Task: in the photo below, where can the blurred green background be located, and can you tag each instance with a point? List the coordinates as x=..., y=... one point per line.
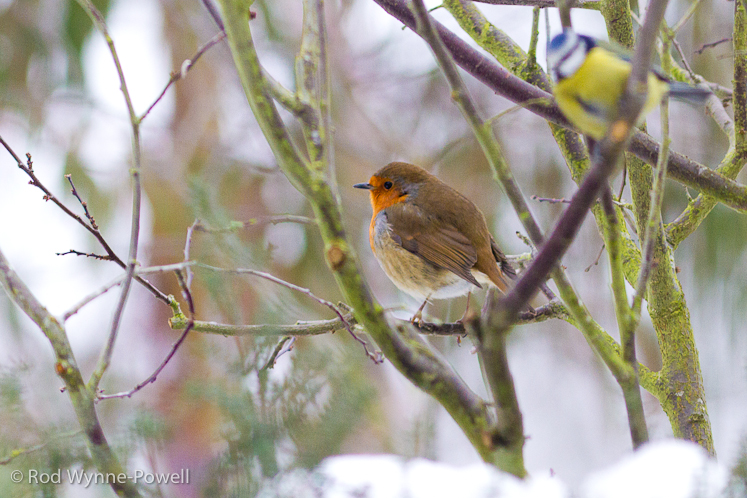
x=213, y=409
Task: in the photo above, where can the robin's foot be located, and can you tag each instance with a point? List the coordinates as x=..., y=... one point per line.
x=418, y=316
x=466, y=311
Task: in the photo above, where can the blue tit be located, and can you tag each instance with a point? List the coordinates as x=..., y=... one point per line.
x=590, y=80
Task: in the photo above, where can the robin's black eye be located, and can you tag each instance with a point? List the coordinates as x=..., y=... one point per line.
x=387, y=185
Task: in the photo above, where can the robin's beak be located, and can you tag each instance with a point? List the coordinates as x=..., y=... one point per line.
x=364, y=186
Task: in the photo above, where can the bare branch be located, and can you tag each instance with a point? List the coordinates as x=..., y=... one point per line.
x=86, y=254
x=318, y=327
x=706, y=46
x=186, y=66
x=374, y=356
x=28, y=168
x=190, y=325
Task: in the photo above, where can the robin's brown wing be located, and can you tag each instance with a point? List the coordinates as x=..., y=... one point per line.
x=443, y=246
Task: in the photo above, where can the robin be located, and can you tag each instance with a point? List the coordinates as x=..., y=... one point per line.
x=430, y=240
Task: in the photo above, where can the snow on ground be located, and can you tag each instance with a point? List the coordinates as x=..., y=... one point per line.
x=665, y=469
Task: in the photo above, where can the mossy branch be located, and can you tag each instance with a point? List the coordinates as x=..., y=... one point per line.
x=401, y=345
x=625, y=323
x=540, y=102
x=511, y=56
x=81, y=397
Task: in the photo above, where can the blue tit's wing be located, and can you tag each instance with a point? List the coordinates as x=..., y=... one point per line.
x=595, y=109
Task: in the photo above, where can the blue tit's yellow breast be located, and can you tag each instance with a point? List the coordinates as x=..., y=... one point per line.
x=589, y=97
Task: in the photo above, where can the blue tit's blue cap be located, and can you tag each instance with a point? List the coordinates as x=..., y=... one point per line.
x=566, y=53
x=558, y=41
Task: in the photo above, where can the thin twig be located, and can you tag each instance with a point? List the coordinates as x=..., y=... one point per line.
x=187, y=248
x=184, y=69
x=596, y=261
x=91, y=297
x=106, y=354
x=689, y=69
x=686, y=16
x=82, y=202
x=190, y=325
x=550, y=200
x=624, y=178
x=237, y=225
x=284, y=346
x=104, y=257
x=24, y=451
x=706, y=46
x=375, y=357
x=214, y=14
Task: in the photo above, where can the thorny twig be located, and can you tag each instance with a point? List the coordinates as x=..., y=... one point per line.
x=100, y=257
x=28, y=168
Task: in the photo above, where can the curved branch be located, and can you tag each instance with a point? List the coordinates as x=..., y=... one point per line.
x=500, y=80
x=66, y=367
x=407, y=351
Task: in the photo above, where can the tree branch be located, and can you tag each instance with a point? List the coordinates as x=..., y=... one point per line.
x=106, y=354
x=541, y=103
x=81, y=396
x=28, y=168
x=407, y=351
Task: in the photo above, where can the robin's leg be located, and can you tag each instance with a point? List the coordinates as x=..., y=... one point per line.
x=466, y=311
x=418, y=316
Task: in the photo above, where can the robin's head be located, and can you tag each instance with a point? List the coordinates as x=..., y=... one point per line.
x=394, y=183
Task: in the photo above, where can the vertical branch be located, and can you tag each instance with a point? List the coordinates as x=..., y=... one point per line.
x=106, y=353
x=629, y=383
x=491, y=341
x=81, y=397
x=740, y=76
x=494, y=335
x=407, y=351
x=325, y=104
x=654, y=228
x=657, y=281
x=308, y=80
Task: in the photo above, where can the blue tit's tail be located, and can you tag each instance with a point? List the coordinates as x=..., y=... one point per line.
x=683, y=91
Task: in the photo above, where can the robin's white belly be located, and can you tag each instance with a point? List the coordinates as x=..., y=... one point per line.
x=414, y=275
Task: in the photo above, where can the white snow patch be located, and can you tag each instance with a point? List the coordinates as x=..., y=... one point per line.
x=665, y=469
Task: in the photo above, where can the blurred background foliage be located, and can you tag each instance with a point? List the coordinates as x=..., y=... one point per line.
x=214, y=409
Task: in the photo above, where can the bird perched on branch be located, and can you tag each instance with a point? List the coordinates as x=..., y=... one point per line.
x=591, y=77
x=430, y=240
